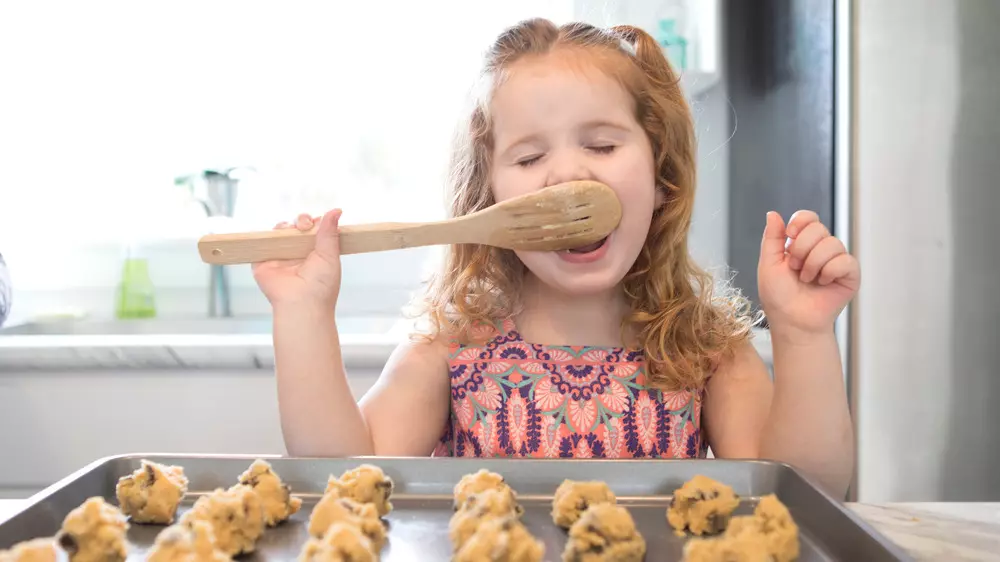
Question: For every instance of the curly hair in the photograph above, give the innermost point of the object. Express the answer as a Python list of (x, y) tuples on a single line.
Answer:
[(678, 317)]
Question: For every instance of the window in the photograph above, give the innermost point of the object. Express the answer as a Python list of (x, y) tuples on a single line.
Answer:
[(105, 103)]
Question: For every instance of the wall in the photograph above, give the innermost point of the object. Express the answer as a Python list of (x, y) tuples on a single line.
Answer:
[(68, 419), (926, 344)]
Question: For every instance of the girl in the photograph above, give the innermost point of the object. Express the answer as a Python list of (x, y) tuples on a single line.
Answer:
[(618, 349)]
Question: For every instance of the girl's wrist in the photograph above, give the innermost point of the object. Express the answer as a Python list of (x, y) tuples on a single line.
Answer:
[(798, 337)]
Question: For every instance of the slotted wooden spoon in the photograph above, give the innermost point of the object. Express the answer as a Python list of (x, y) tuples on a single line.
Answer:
[(560, 217)]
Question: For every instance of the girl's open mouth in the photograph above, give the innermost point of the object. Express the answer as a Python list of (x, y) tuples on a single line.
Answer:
[(589, 247), (586, 254)]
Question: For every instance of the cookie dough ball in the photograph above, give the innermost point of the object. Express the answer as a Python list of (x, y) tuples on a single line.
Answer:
[(37, 550), (501, 539), (744, 548), (332, 509), (94, 531), (604, 532), (480, 481), (275, 495), (573, 498), (476, 509), (182, 543), (365, 484), (236, 516), (341, 543), (702, 506), (152, 493), (773, 524)]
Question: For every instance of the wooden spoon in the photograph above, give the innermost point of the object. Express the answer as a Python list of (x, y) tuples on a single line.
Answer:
[(560, 217)]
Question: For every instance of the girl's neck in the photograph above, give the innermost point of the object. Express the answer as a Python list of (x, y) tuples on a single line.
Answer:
[(551, 317)]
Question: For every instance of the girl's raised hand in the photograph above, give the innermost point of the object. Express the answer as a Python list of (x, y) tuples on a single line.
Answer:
[(805, 277), (313, 280)]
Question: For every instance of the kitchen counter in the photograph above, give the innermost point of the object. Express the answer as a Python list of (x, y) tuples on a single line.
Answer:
[(196, 343), (956, 532)]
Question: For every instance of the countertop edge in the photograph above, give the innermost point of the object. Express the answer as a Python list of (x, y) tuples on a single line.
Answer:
[(20, 353)]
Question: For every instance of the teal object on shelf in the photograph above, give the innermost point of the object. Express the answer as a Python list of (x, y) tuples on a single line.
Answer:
[(673, 43)]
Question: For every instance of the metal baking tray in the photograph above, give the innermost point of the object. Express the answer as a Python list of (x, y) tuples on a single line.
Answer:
[(418, 526)]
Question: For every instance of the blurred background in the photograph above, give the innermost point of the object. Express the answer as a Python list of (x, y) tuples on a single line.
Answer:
[(127, 131)]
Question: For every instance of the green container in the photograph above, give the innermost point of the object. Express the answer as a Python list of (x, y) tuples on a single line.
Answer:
[(135, 297)]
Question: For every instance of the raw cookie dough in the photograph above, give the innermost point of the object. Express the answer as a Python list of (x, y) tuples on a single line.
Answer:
[(236, 516), (276, 496), (702, 506), (501, 539), (476, 509), (94, 531), (772, 521), (332, 509), (365, 484), (743, 548), (36, 550), (341, 543), (480, 482), (152, 493), (182, 543), (604, 532), (573, 498)]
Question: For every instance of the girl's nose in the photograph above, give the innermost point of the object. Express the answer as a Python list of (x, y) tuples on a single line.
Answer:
[(567, 165)]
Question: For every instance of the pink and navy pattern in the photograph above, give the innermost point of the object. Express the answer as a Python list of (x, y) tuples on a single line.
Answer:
[(510, 398)]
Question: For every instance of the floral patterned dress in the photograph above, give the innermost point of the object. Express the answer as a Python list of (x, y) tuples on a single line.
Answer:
[(511, 398)]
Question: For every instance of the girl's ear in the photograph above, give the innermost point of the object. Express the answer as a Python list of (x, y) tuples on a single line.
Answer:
[(661, 196)]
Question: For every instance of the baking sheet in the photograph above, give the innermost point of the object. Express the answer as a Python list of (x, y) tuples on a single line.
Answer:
[(418, 526)]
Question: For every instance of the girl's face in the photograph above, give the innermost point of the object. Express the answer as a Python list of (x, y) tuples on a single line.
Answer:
[(558, 119)]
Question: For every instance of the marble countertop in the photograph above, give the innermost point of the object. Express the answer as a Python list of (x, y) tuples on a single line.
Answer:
[(957, 532)]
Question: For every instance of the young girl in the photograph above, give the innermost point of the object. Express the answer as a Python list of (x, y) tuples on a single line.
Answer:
[(618, 349)]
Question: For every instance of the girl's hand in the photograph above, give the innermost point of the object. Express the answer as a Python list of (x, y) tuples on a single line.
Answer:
[(313, 280), (805, 276)]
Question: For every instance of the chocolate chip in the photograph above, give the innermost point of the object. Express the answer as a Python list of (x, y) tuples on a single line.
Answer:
[(582, 504), (151, 475), (68, 543), (596, 549), (593, 529), (384, 485), (717, 523), (714, 494)]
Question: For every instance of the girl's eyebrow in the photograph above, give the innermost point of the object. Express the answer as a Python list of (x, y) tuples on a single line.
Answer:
[(605, 123), (533, 137)]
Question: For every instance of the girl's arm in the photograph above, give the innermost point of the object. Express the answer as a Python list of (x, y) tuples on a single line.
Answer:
[(805, 279), (802, 419), (404, 414)]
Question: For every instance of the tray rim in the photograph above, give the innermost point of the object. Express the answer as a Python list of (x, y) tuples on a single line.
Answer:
[(41, 495)]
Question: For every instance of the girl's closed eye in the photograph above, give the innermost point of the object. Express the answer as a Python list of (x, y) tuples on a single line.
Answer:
[(528, 160), (602, 149)]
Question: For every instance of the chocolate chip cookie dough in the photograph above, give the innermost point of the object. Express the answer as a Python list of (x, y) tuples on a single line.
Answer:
[(276, 496), (572, 498), (94, 532), (501, 539), (236, 516), (187, 543), (604, 532), (340, 543), (365, 484), (702, 506), (152, 493), (333, 509)]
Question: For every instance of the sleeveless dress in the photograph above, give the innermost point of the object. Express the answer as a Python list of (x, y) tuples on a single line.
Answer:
[(511, 398)]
